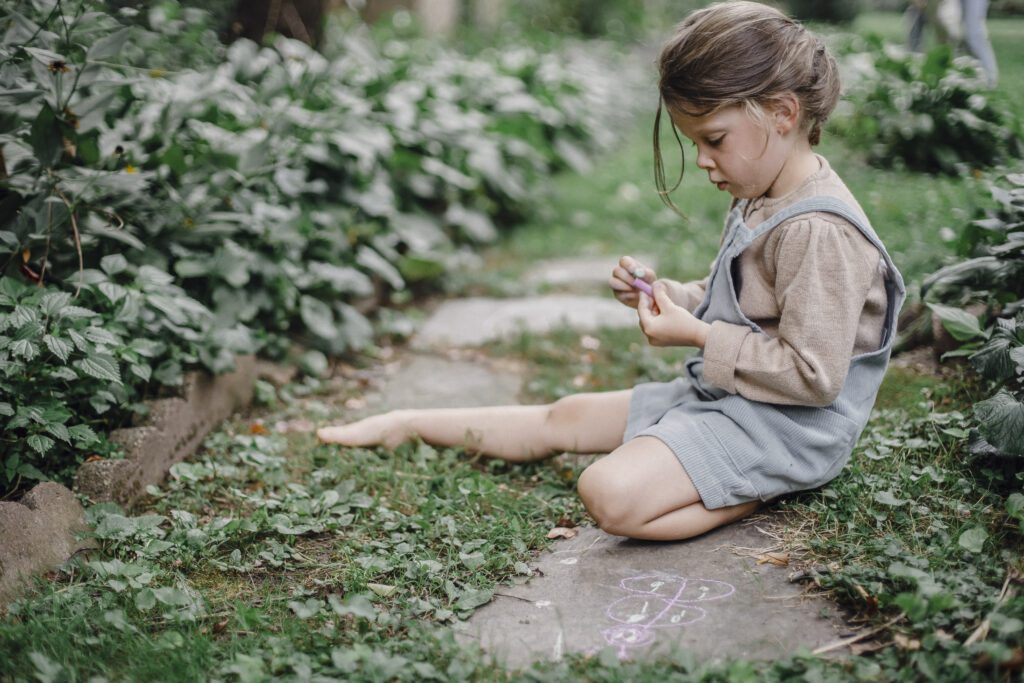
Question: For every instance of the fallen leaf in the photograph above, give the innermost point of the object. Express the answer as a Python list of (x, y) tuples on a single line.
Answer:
[(355, 403), (777, 559), (94, 458), (257, 428), (871, 600), (383, 590), (566, 522), (561, 532), (220, 626)]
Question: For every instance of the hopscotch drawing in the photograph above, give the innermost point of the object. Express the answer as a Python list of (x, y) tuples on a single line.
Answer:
[(658, 601)]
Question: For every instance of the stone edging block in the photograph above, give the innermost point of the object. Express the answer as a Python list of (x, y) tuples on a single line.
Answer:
[(173, 430), (37, 534)]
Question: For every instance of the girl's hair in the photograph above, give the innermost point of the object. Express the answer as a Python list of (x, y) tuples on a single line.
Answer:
[(743, 53)]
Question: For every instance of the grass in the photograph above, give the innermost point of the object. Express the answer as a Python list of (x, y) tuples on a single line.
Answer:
[(267, 556)]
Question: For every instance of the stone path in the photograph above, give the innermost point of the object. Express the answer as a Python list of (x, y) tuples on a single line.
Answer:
[(708, 595), (642, 599)]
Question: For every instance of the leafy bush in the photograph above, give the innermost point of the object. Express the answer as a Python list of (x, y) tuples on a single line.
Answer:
[(993, 274), (259, 194), (928, 112)]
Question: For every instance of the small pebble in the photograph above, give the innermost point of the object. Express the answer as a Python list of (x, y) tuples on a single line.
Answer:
[(639, 272)]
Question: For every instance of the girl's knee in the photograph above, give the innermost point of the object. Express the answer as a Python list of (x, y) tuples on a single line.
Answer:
[(607, 500)]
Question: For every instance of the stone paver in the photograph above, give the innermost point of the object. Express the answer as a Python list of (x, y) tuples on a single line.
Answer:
[(37, 534), (475, 321), (422, 381), (642, 598), (578, 271)]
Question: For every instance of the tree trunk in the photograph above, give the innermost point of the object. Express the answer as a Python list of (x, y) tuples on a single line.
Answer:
[(299, 19)]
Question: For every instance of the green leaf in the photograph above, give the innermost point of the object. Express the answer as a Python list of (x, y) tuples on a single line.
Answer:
[(83, 435), (143, 372), (59, 431), (472, 598), (114, 264), (77, 312), (1015, 506), (6, 409), (100, 368), (1001, 422), (113, 291), (973, 539), (473, 560), (356, 605), (45, 137), (47, 670), (145, 599), (958, 322), (99, 335), (79, 341), (305, 610), (58, 347), (887, 498), (40, 444), (25, 349), (53, 302), (108, 46), (318, 317), (172, 597)]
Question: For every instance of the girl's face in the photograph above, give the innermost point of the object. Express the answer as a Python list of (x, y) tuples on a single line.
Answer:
[(742, 156)]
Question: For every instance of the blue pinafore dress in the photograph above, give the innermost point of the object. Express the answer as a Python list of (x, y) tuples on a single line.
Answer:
[(737, 450)]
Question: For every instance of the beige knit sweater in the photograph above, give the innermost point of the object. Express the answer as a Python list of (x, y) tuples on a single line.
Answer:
[(815, 285)]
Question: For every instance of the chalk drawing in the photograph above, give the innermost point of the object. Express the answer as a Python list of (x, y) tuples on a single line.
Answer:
[(658, 601)]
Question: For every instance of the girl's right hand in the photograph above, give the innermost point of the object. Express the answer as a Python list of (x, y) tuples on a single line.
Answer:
[(622, 277)]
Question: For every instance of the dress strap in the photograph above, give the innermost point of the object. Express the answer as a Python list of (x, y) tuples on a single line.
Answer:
[(819, 203)]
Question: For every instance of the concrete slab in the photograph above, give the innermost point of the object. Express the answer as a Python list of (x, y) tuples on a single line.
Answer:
[(38, 533), (642, 598), (173, 430), (476, 321), (422, 381), (578, 271)]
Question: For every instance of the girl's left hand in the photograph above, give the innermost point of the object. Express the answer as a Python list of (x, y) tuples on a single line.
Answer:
[(667, 324)]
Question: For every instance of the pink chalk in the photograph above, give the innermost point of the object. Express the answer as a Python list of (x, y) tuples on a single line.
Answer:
[(643, 287)]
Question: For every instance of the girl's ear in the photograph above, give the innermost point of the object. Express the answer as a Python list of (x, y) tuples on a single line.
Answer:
[(785, 112)]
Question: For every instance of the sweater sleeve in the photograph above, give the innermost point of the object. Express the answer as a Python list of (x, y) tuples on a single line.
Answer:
[(822, 279)]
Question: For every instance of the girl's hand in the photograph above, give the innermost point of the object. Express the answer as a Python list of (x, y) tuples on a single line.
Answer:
[(666, 324), (622, 277)]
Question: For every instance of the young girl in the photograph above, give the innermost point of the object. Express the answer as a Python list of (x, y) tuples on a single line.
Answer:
[(794, 323)]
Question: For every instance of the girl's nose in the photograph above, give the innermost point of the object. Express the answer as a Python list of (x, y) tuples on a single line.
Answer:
[(704, 161)]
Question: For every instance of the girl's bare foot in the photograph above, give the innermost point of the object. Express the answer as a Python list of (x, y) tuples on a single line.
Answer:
[(388, 430)]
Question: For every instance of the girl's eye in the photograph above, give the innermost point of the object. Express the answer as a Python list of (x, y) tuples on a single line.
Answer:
[(716, 142)]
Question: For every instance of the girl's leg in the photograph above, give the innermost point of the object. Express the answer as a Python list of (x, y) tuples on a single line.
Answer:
[(581, 423), (640, 490)]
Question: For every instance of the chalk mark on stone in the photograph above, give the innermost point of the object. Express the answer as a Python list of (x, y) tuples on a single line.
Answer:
[(675, 595)]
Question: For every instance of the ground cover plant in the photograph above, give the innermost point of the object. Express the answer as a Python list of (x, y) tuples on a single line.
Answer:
[(233, 199)]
